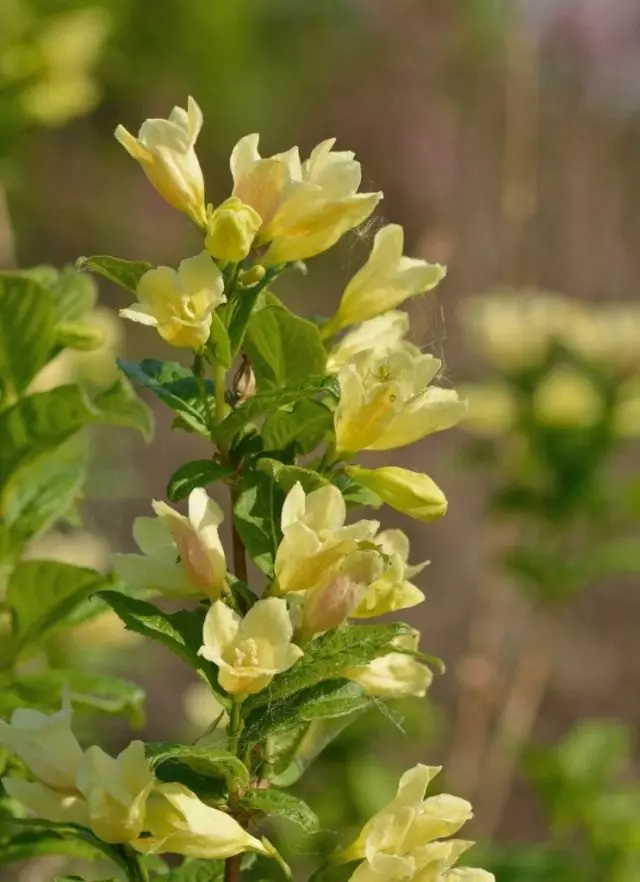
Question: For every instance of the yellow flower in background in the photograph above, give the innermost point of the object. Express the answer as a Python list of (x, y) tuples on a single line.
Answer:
[(116, 791), (333, 600), (385, 281), (315, 537), (567, 398), (181, 556), (491, 409), (305, 207), (249, 651), (378, 334), (46, 745), (180, 823), (44, 802), (411, 493), (179, 303), (403, 841), (231, 229), (626, 414), (396, 674), (165, 148), (386, 400), (392, 591)]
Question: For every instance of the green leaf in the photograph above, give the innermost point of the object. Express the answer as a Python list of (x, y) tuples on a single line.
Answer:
[(173, 384), (287, 475), (329, 656), (74, 294), (126, 273), (354, 494), (93, 692), (44, 490), (306, 423), (199, 473), (42, 594), (180, 632), (240, 310), (210, 762), (40, 422), (284, 348), (328, 699), (272, 802), (197, 871), (26, 332), (37, 843), (268, 402), (218, 346), (257, 518), (83, 336)]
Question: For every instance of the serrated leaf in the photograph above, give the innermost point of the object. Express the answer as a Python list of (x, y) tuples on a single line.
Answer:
[(306, 423), (173, 384), (272, 802), (125, 273), (287, 475), (42, 594), (27, 334), (40, 422), (197, 871), (199, 473), (284, 348), (329, 656), (44, 490), (256, 515), (207, 761), (180, 632)]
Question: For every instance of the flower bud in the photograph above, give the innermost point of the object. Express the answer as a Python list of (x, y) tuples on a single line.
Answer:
[(244, 382), (411, 493), (231, 229), (250, 277)]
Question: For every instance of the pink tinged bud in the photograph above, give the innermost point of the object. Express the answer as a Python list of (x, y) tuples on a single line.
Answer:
[(334, 600), (193, 555)]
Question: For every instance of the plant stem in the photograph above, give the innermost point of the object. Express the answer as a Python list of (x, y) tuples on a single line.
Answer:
[(235, 724), (199, 373), (219, 375), (232, 869)]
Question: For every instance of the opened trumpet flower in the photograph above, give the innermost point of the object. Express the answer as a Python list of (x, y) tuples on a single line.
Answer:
[(315, 537), (179, 303), (412, 493), (386, 400), (182, 556), (46, 745), (180, 823), (249, 651), (378, 335), (305, 206), (165, 148), (396, 674), (387, 279), (392, 591)]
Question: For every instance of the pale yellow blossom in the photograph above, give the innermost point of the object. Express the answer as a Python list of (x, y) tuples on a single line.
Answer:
[(249, 651), (396, 674), (44, 802), (179, 303), (567, 398), (378, 335), (393, 590), (46, 745), (411, 493), (231, 229)]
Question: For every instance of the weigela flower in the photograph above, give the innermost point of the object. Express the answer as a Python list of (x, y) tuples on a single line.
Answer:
[(165, 148), (305, 206), (411, 493), (392, 591), (231, 229), (181, 556), (116, 791), (378, 334), (44, 802), (386, 400), (249, 651), (315, 537), (385, 281), (46, 745), (396, 674), (567, 398), (403, 841), (180, 823), (179, 303)]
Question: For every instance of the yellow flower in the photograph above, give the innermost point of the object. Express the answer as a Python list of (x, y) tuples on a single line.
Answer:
[(567, 398), (378, 334), (395, 674), (180, 823), (45, 744), (411, 493), (44, 802), (386, 400), (179, 303), (393, 590), (315, 537), (249, 651), (491, 409), (181, 556), (333, 600), (305, 207), (403, 841), (116, 791), (385, 281), (165, 148), (231, 229)]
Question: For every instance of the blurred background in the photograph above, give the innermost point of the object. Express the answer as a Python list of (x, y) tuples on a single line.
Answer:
[(506, 138)]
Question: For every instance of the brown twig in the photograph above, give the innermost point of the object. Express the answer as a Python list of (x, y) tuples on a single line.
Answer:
[(232, 869)]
